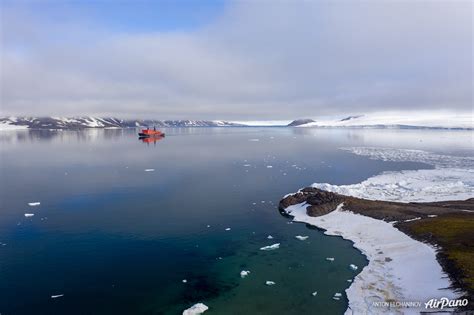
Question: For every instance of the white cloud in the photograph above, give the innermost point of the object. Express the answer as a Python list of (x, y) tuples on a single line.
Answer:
[(262, 59)]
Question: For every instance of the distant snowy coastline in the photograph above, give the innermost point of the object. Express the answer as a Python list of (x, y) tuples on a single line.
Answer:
[(398, 121), (400, 268), (373, 121)]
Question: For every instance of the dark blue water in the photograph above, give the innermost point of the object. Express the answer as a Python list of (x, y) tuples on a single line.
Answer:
[(115, 239)]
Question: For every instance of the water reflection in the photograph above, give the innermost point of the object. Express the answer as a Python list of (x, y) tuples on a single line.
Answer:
[(150, 140)]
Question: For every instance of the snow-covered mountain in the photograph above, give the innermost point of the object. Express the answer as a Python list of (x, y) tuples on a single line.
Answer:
[(396, 121), (300, 122), (101, 122)]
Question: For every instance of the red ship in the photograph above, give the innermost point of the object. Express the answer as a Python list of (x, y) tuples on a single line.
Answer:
[(148, 133)]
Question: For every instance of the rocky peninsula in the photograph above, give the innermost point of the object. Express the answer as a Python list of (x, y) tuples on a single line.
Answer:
[(443, 229)]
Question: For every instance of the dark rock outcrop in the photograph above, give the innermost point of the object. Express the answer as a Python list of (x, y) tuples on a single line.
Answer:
[(299, 122), (321, 202)]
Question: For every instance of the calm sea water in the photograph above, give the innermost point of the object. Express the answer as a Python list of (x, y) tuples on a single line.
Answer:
[(116, 239)]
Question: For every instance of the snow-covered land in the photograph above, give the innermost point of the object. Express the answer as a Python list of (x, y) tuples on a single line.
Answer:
[(400, 268), (7, 126), (399, 120), (101, 122)]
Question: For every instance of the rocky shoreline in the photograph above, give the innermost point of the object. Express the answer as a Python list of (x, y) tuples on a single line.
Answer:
[(447, 225)]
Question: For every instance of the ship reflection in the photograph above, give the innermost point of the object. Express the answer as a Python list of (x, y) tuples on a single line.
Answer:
[(149, 140)]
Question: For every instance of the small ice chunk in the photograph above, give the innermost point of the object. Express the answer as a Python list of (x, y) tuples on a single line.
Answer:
[(269, 166), (314, 293), (432, 216), (254, 140), (301, 238), (271, 247), (337, 294), (34, 204), (150, 170), (349, 280), (336, 298), (184, 281), (330, 258), (29, 214), (247, 165), (270, 283), (409, 220), (57, 296), (196, 309), (227, 229), (270, 237), (244, 273), (208, 226), (353, 267)]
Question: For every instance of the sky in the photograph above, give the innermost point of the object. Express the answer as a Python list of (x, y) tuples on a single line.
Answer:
[(235, 60)]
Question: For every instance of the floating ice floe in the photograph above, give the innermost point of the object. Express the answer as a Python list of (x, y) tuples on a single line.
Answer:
[(254, 140), (353, 267), (432, 216), (244, 273), (451, 179), (208, 226), (270, 283), (349, 280), (270, 237), (269, 166), (314, 293), (34, 204), (337, 296), (149, 170), (196, 309), (330, 258), (271, 247), (57, 296), (301, 238), (247, 165), (184, 281), (227, 229), (29, 214)]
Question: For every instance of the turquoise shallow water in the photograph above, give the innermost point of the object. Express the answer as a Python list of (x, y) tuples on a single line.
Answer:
[(115, 239)]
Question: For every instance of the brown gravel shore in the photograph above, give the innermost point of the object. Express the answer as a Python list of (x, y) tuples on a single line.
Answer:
[(449, 225)]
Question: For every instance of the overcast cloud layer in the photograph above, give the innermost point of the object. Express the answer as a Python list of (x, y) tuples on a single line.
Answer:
[(254, 60)]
